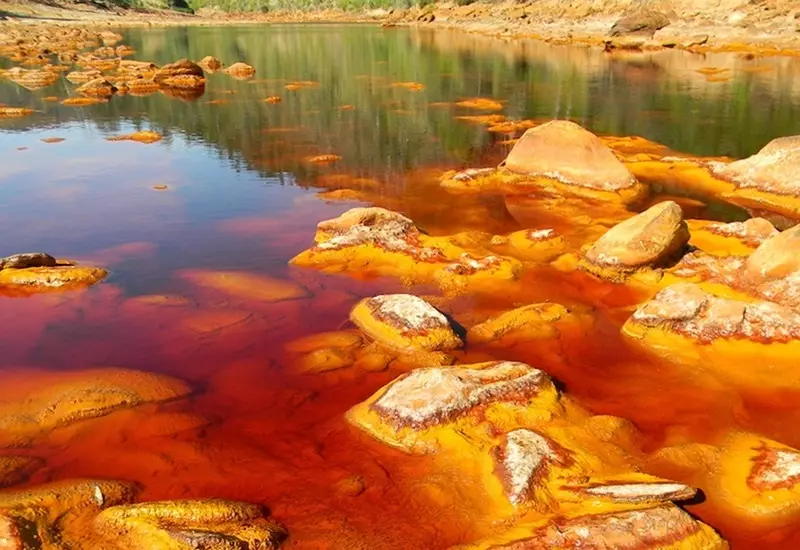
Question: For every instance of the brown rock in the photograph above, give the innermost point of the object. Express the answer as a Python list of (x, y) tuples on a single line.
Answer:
[(34, 402), (777, 258), (688, 310), (521, 458), (774, 169), (182, 67), (240, 70), (191, 525), (30, 259), (211, 63), (405, 322), (184, 81), (564, 151), (653, 528), (433, 396), (644, 22), (754, 231), (97, 87), (650, 239)]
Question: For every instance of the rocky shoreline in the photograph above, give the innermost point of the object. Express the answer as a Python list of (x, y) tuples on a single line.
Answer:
[(769, 28)]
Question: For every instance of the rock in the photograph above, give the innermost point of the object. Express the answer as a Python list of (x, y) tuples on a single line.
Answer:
[(240, 70), (565, 152), (405, 322), (97, 87), (538, 245), (757, 480), (185, 81), (521, 457), (137, 67), (142, 136), (636, 492), (50, 278), (434, 396), (383, 242), (211, 524), (211, 63), (33, 403), (777, 258), (774, 169), (58, 514), (752, 232), (644, 22), (30, 259), (182, 67), (687, 310), (351, 486), (532, 322), (653, 528), (246, 286), (32, 79), (651, 239), (15, 470)]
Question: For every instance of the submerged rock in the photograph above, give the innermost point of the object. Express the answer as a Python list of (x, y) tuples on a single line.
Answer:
[(16, 469), (565, 152), (758, 479), (210, 524), (405, 322), (58, 514), (527, 323), (651, 239), (246, 286), (654, 528), (33, 403)]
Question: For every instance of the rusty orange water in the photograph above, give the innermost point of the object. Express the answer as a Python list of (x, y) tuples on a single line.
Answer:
[(241, 195)]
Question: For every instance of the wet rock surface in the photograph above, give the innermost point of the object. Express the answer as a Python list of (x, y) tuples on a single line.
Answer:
[(405, 322), (649, 240), (34, 403), (688, 310), (190, 524), (563, 151)]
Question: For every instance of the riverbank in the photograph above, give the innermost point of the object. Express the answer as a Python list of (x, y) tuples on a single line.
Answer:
[(766, 28)]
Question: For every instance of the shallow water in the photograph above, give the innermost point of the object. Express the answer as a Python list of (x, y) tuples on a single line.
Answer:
[(242, 196)]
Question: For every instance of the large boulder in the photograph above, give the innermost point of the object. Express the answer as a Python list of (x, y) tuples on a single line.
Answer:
[(774, 169), (651, 239), (643, 23), (687, 310), (405, 322), (563, 151), (431, 397), (182, 67)]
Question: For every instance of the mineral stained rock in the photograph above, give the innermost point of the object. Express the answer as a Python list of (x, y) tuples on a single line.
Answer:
[(405, 322), (651, 239), (57, 514), (430, 397), (654, 528), (376, 240), (33, 403), (210, 524), (38, 272)]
